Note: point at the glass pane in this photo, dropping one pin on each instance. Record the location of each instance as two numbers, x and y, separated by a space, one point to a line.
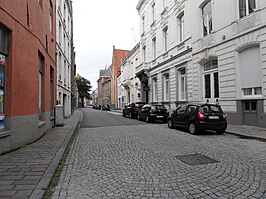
183 87
247 91
3 40
216 85
2 95
257 91
207 8
242 8
247 106
253 105
251 5
205 29
207 86
210 23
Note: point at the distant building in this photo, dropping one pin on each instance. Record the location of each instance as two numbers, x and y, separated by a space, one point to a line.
104 76
27 71
65 54
117 58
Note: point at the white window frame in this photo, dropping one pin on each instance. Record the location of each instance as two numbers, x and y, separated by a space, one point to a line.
153 12
166 87
207 16
154 47
211 71
143 24
253 92
144 54
182 77
247 12
165 38
155 89
164 2
181 27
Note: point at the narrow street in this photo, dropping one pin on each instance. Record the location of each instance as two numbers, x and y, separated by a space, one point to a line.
116 157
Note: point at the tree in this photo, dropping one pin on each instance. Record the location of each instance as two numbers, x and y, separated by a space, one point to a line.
84 88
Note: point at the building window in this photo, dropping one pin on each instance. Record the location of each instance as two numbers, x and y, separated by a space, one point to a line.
250 66
154 47
144 53
182 90
154 90
2 91
207 18
166 88
246 7
41 71
143 24
51 16
250 106
153 12
164 4
181 27
165 38
211 80
51 91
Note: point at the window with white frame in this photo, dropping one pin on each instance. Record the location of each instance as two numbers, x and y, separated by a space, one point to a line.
250 66
154 47
164 4
144 53
143 24
207 18
182 90
165 38
246 7
181 27
166 87
154 90
153 12
211 79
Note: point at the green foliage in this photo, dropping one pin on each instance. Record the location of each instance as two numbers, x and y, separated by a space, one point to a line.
84 88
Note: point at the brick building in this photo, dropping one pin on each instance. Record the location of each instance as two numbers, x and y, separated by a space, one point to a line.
27 71
117 58
104 77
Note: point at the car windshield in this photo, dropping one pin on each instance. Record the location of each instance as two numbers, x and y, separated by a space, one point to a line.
158 107
139 105
211 109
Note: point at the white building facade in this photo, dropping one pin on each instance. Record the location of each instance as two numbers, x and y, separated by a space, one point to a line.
206 50
129 86
64 42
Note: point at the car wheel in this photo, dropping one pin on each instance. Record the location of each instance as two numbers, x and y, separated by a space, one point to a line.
130 115
221 131
147 119
192 128
170 124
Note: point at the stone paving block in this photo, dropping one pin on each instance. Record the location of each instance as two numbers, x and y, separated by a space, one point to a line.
7 193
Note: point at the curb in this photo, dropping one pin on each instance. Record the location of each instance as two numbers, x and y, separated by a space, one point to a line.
247 136
44 182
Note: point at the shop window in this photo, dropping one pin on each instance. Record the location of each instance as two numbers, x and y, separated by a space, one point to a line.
2 91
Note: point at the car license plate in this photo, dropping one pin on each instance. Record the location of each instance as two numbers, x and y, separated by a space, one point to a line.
159 116
213 117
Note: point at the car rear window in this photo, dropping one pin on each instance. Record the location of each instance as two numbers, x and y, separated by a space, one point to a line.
211 109
158 107
139 105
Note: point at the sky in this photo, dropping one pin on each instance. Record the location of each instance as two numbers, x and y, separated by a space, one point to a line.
98 25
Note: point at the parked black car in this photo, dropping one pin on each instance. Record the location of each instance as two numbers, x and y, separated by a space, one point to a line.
106 108
151 113
132 109
198 117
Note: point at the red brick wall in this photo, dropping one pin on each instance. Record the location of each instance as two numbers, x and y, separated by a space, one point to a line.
27 37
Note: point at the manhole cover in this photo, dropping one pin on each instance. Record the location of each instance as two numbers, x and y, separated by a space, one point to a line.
196 159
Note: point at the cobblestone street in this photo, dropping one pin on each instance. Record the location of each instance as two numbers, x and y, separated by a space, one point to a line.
140 162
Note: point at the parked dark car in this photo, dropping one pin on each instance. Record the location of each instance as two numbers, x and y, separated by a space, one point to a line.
198 117
132 109
106 108
151 113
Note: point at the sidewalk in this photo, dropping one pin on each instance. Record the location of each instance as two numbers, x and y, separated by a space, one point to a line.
27 172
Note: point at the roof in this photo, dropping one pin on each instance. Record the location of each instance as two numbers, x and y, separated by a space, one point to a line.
105 72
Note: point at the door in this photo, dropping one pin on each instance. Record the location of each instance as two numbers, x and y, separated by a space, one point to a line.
179 118
250 112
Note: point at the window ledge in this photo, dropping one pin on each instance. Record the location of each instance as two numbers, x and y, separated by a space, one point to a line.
4 133
41 124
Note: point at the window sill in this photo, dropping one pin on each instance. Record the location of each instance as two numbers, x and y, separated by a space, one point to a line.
41 124
4 133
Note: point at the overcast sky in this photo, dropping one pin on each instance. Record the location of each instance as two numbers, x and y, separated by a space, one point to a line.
98 25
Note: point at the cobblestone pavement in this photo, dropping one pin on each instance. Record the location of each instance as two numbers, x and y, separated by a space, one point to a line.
140 162
27 172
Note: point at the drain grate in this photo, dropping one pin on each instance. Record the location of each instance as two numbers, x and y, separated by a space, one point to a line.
196 159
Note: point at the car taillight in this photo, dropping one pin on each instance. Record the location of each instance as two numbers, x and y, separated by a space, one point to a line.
135 109
167 113
152 112
200 116
224 117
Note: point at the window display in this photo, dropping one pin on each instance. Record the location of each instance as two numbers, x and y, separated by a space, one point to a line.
2 90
